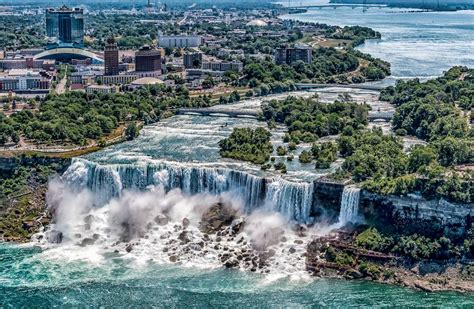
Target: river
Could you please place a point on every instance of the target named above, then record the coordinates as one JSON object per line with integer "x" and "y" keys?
{"x": 174, "y": 166}
{"x": 417, "y": 44}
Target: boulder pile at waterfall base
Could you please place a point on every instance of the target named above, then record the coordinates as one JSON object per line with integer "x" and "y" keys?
{"x": 221, "y": 236}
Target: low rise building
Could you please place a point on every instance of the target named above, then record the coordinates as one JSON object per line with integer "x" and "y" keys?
{"x": 223, "y": 66}
{"x": 148, "y": 59}
{"x": 25, "y": 81}
{"x": 102, "y": 89}
{"x": 84, "y": 77}
{"x": 20, "y": 62}
{"x": 120, "y": 79}
{"x": 180, "y": 41}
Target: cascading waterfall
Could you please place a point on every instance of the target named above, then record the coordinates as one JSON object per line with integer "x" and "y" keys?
{"x": 349, "y": 205}
{"x": 293, "y": 200}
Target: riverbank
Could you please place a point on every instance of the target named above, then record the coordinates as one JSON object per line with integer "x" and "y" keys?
{"x": 23, "y": 187}
{"x": 338, "y": 256}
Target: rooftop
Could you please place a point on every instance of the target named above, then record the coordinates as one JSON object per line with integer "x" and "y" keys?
{"x": 147, "y": 81}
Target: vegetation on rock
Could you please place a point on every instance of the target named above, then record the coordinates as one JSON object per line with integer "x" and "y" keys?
{"x": 247, "y": 144}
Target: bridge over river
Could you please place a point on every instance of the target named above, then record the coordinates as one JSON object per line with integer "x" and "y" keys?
{"x": 233, "y": 113}
{"x": 338, "y": 5}
{"x": 351, "y": 86}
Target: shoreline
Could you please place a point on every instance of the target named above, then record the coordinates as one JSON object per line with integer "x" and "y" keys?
{"x": 402, "y": 276}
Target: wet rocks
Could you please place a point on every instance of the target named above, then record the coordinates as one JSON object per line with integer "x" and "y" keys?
{"x": 88, "y": 221}
{"x": 87, "y": 242}
{"x": 195, "y": 246}
{"x": 353, "y": 274}
{"x": 173, "y": 258}
{"x": 129, "y": 248}
{"x": 161, "y": 220}
{"x": 55, "y": 237}
{"x": 231, "y": 263}
{"x": 186, "y": 222}
{"x": 237, "y": 226}
{"x": 183, "y": 236}
{"x": 216, "y": 218}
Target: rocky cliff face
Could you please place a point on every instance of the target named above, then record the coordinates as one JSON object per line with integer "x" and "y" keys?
{"x": 416, "y": 214}
{"x": 410, "y": 214}
{"x": 326, "y": 201}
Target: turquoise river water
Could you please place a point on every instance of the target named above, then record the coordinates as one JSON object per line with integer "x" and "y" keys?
{"x": 174, "y": 168}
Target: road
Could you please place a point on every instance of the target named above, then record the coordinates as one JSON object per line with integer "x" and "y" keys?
{"x": 61, "y": 87}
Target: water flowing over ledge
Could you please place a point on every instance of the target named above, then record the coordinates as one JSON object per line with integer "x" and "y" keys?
{"x": 349, "y": 205}
{"x": 293, "y": 200}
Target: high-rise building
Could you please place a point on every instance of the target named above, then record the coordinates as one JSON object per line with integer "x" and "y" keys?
{"x": 148, "y": 59}
{"x": 65, "y": 26}
{"x": 111, "y": 57}
{"x": 286, "y": 55}
{"x": 192, "y": 60}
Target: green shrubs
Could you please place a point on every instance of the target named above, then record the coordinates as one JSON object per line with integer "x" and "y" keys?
{"x": 371, "y": 154}
{"x": 344, "y": 259}
{"x": 370, "y": 270}
{"x": 281, "y": 151}
{"x": 417, "y": 247}
{"x": 341, "y": 258}
{"x": 280, "y": 166}
{"x": 371, "y": 239}
{"x": 266, "y": 166}
{"x": 309, "y": 119}
{"x": 132, "y": 131}
{"x": 393, "y": 186}
{"x": 247, "y": 145}
{"x": 305, "y": 157}
{"x": 324, "y": 154}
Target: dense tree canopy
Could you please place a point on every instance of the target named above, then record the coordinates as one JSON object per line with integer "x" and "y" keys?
{"x": 75, "y": 117}
{"x": 309, "y": 119}
{"x": 247, "y": 144}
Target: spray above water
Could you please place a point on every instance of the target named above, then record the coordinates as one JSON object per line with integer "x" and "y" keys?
{"x": 182, "y": 215}
{"x": 158, "y": 226}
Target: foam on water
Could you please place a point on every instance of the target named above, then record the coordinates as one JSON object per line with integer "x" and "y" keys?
{"x": 157, "y": 226}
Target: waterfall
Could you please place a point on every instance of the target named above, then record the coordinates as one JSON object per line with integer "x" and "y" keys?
{"x": 293, "y": 200}
{"x": 349, "y": 205}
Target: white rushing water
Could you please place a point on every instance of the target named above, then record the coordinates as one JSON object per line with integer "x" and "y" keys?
{"x": 293, "y": 200}
{"x": 349, "y": 205}
{"x": 160, "y": 226}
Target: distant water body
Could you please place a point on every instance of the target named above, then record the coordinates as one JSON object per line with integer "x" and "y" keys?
{"x": 417, "y": 44}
